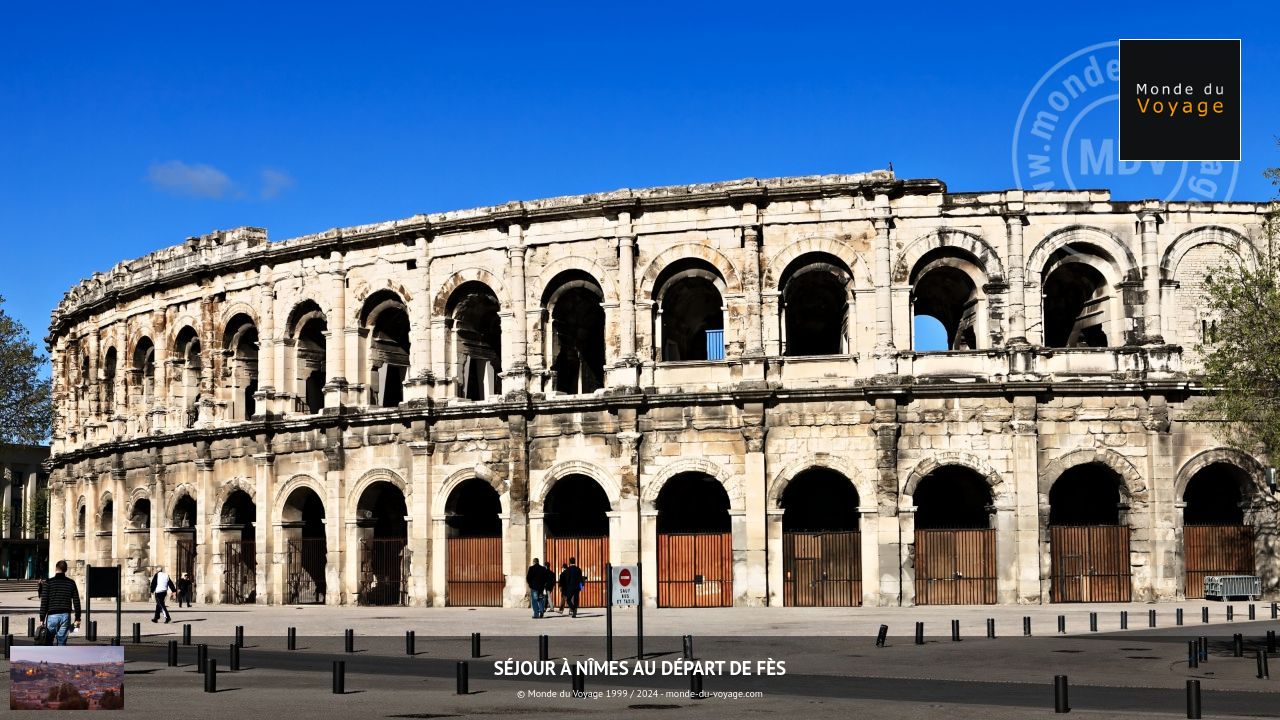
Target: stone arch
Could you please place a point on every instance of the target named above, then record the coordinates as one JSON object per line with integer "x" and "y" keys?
{"x": 1133, "y": 486}
{"x": 816, "y": 244}
{"x": 171, "y": 503}
{"x": 1121, "y": 255}
{"x": 227, "y": 488}
{"x": 301, "y": 309}
{"x": 465, "y": 275}
{"x": 176, "y": 329}
{"x": 1205, "y": 235}
{"x": 572, "y": 262}
{"x": 375, "y": 475}
{"x": 560, "y": 470}
{"x": 706, "y": 253}
{"x": 286, "y": 489}
{"x": 731, "y": 483}
{"x": 1230, "y": 456}
{"x": 1001, "y": 491}
{"x": 238, "y": 307}
{"x": 814, "y": 461}
{"x": 982, "y": 251}
{"x": 458, "y": 477}
{"x": 363, "y": 291}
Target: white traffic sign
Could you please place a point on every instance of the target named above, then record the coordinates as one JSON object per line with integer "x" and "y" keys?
{"x": 626, "y": 581}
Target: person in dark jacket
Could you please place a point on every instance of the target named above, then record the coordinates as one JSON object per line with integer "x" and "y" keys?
{"x": 571, "y": 582}
{"x": 61, "y": 598}
{"x": 563, "y": 568}
{"x": 537, "y": 588}
{"x": 185, "y": 587}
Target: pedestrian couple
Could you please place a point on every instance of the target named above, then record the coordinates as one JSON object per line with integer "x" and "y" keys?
{"x": 542, "y": 580}
{"x": 162, "y": 585}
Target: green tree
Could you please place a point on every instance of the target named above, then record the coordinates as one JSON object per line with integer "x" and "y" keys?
{"x": 26, "y": 410}
{"x": 1242, "y": 352}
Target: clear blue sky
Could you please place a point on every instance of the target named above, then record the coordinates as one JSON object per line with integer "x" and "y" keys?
{"x": 125, "y": 128}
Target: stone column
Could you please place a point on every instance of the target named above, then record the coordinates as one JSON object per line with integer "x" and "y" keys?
{"x": 206, "y": 577}
{"x": 158, "y": 536}
{"x": 1016, "y": 305}
{"x": 338, "y": 346}
{"x": 756, "y": 479}
{"x": 751, "y": 286}
{"x": 270, "y": 357}
{"x": 518, "y": 493}
{"x": 1163, "y": 521}
{"x": 341, "y": 571}
{"x": 418, "y": 384}
{"x": 892, "y": 535}
{"x": 91, "y": 551}
{"x": 886, "y": 360}
{"x": 6, "y": 496}
{"x": 1006, "y": 525}
{"x": 269, "y": 578}
{"x": 517, "y": 367}
{"x": 421, "y": 590}
{"x": 1025, "y": 478}
{"x": 906, "y": 559}
{"x": 627, "y": 293}
{"x": 869, "y": 528}
{"x": 773, "y": 555}
{"x": 1149, "y": 217}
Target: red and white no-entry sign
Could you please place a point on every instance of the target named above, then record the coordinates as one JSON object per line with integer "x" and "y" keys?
{"x": 624, "y": 577}
{"x": 624, "y": 587}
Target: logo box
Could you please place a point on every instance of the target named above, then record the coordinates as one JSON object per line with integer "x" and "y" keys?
{"x": 1180, "y": 100}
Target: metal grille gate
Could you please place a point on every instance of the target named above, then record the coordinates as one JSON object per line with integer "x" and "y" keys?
{"x": 822, "y": 569}
{"x": 591, "y": 553}
{"x": 185, "y": 562}
{"x": 956, "y": 567}
{"x": 474, "y": 576}
{"x": 384, "y": 571}
{"x": 239, "y": 568}
{"x": 1216, "y": 550}
{"x": 1090, "y": 563}
{"x": 305, "y": 581}
{"x": 695, "y": 570}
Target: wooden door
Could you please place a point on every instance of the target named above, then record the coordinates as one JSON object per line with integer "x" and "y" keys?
{"x": 1090, "y": 563}
{"x": 474, "y": 576}
{"x": 822, "y": 569}
{"x": 956, "y": 567}
{"x": 592, "y": 553}
{"x": 1216, "y": 550}
{"x": 695, "y": 570}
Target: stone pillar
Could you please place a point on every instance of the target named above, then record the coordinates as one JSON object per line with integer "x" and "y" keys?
{"x": 869, "y": 528}
{"x": 420, "y": 379}
{"x": 773, "y": 554}
{"x": 6, "y": 496}
{"x": 892, "y": 535}
{"x": 1025, "y": 478}
{"x": 517, "y": 535}
{"x": 338, "y": 346}
{"x": 1163, "y": 517}
{"x": 517, "y": 362}
{"x": 886, "y": 355}
{"x": 422, "y": 558}
{"x": 627, "y": 293}
{"x": 626, "y": 544}
{"x": 91, "y": 551}
{"x": 751, "y": 286}
{"x": 270, "y": 355}
{"x": 158, "y": 538}
{"x": 756, "y": 479}
{"x": 1016, "y": 305}
{"x": 57, "y": 519}
{"x": 206, "y": 551}
{"x": 269, "y": 579}
{"x": 1006, "y": 525}
{"x": 1149, "y": 218}
{"x": 906, "y": 554}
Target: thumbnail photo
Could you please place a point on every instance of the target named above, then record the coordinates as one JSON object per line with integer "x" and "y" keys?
{"x": 66, "y": 678}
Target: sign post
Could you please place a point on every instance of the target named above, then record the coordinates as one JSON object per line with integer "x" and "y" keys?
{"x": 608, "y": 613}
{"x": 624, "y": 591}
{"x": 102, "y": 582}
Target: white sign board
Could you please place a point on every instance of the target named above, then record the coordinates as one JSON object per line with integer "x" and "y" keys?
{"x": 626, "y": 585}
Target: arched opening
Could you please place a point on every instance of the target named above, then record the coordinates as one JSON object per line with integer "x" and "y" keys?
{"x": 385, "y": 321}
{"x": 576, "y": 518}
{"x": 137, "y": 535}
{"x": 109, "y": 363}
{"x": 140, "y": 517}
{"x": 945, "y": 288}
{"x": 955, "y": 543}
{"x": 695, "y": 543}
{"x": 476, "y": 332}
{"x": 106, "y": 527}
{"x": 142, "y": 375}
{"x": 1078, "y": 300}
{"x": 382, "y": 529}
{"x": 816, "y": 306}
{"x": 474, "y": 574}
{"x": 188, "y": 368}
{"x": 239, "y": 548}
{"x": 240, "y": 343}
{"x": 309, "y": 331}
{"x": 302, "y": 522}
{"x": 690, "y": 306}
{"x": 1088, "y": 542}
{"x": 1216, "y": 539}
{"x": 574, "y": 328}
{"x": 821, "y": 545}
{"x": 183, "y": 530}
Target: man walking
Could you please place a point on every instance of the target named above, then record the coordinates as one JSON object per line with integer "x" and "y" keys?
{"x": 537, "y": 588}
{"x": 61, "y": 598}
{"x": 571, "y": 582}
{"x": 161, "y": 585}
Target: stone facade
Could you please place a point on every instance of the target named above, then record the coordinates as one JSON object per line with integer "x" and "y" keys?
{"x": 745, "y": 332}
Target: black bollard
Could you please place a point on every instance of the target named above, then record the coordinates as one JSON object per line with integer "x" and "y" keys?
{"x": 31, "y": 627}
{"x": 1263, "y": 671}
{"x": 1204, "y": 649}
{"x": 92, "y": 634}
{"x": 1093, "y": 622}
{"x": 919, "y": 633}
{"x": 239, "y": 636}
{"x": 186, "y": 634}
{"x": 686, "y": 646}
{"x": 1204, "y": 614}
{"x": 1237, "y": 645}
{"x": 991, "y": 627}
{"x": 1124, "y": 619}
{"x": 1275, "y": 609}
{"x": 475, "y": 645}
{"x": 1193, "y": 698}
{"x": 233, "y": 662}
{"x": 1231, "y": 613}
{"x": 579, "y": 682}
{"x": 4, "y": 625}
{"x": 409, "y": 642}
{"x": 1026, "y": 625}
{"x": 349, "y": 640}
{"x": 955, "y": 631}
{"x": 173, "y": 653}
{"x": 1151, "y": 618}
{"x": 1193, "y": 654}
{"x": 1253, "y": 612}
{"x": 544, "y": 649}
{"x": 1060, "y": 704}
{"x": 202, "y": 656}
{"x": 137, "y": 633}
{"x": 8, "y": 643}
{"x": 211, "y": 676}
{"x": 880, "y": 636}
{"x": 339, "y": 677}
{"x": 1179, "y": 616}
{"x": 293, "y": 638}
{"x": 1062, "y": 624}
{"x": 462, "y": 678}
{"x": 695, "y": 685}
{"x": 1271, "y": 642}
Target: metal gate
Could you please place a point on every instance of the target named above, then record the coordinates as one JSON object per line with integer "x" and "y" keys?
{"x": 239, "y": 570}
{"x": 956, "y": 567}
{"x": 185, "y": 560}
{"x": 1090, "y": 563}
{"x": 384, "y": 571}
{"x": 591, "y": 553}
{"x": 474, "y": 576}
{"x": 695, "y": 570}
{"x": 822, "y": 569}
{"x": 305, "y": 581}
{"x": 1216, "y": 550}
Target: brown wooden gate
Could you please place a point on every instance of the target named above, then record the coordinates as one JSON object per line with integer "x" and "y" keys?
{"x": 239, "y": 570}
{"x": 474, "y": 574}
{"x": 956, "y": 567}
{"x": 305, "y": 582}
{"x": 592, "y": 553}
{"x": 695, "y": 570}
{"x": 1090, "y": 563}
{"x": 1216, "y": 550}
{"x": 384, "y": 571}
{"x": 822, "y": 569}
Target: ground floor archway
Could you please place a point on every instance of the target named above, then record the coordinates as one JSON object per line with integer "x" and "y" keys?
{"x": 239, "y": 548}
{"x": 475, "y": 575}
{"x": 306, "y": 548}
{"x": 382, "y": 531}
{"x": 695, "y": 543}
{"x": 1088, "y": 538}
{"x": 821, "y": 542}
{"x": 955, "y": 543}
{"x": 1216, "y": 540}
{"x": 576, "y": 518}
